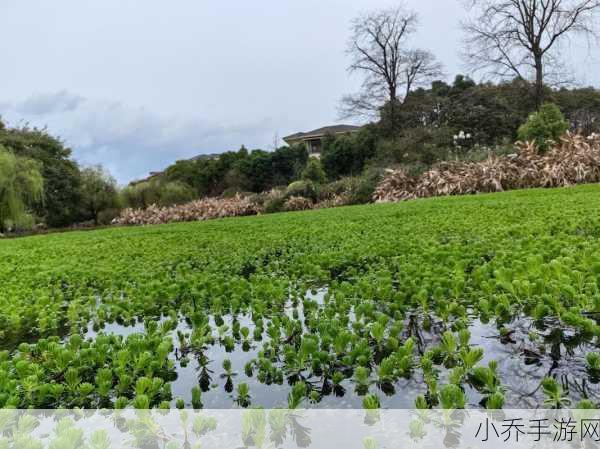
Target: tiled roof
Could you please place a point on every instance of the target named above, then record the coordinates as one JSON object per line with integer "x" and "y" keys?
{"x": 320, "y": 132}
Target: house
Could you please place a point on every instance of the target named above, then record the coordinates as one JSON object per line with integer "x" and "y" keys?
{"x": 314, "y": 139}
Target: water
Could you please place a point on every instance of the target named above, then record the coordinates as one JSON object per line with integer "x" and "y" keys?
{"x": 556, "y": 350}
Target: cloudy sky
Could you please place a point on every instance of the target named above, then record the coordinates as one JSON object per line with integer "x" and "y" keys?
{"x": 137, "y": 84}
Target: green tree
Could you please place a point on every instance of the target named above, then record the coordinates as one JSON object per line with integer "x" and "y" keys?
{"x": 61, "y": 205}
{"x": 545, "y": 126}
{"x": 348, "y": 155}
{"x": 98, "y": 192}
{"x": 175, "y": 193}
{"x": 314, "y": 172}
{"x": 21, "y": 187}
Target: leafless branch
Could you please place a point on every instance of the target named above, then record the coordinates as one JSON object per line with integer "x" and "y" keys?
{"x": 521, "y": 37}
{"x": 379, "y": 50}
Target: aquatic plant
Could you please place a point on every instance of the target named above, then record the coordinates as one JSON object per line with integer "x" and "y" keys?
{"x": 394, "y": 294}
{"x": 243, "y": 395}
{"x": 452, "y": 397}
{"x": 371, "y": 402}
{"x": 553, "y": 392}
{"x": 593, "y": 362}
{"x": 196, "y": 398}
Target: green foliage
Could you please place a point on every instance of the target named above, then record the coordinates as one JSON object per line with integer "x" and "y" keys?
{"x": 452, "y": 397}
{"x": 554, "y": 394}
{"x": 196, "y": 398}
{"x": 61, "y": 177}
{"x": 544, "y": 126}
{"x": 98, "y": 193}
{"x": 495, "y": 401}
{"x": 593, "y": 362}
{"x": 156, "y": 191}
{"x": 305, "y": 189}
{"x": 240, "y": 171}
{"x": 348, "y": 155}
{"x": 21, "y": 187}
{"x": 331, "y": 303}
{"x": 314, "y": 171}
{"x": 371, "y": 402}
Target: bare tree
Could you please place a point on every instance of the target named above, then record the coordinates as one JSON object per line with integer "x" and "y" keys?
{"x": 379, "y": 50}
{"x": 522, "y": 38}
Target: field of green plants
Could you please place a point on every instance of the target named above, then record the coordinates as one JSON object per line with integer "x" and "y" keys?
{"x": 478, "y": 301}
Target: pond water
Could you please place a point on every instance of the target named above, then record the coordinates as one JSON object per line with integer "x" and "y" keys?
{"x": 525, "y": 351}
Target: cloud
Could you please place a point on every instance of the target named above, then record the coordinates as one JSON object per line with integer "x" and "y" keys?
{"x": 128, "y": 141}
{"x": 43, "y": 104}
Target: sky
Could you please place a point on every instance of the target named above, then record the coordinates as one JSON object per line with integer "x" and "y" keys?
{"x": 135, "y": 85}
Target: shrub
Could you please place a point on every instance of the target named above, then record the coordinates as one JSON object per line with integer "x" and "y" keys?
{"x": 175, "y": 193}
{"x": 275, "y": 205}
{"x": 367, "y": 183}
{"x": 343, "y": 186}
{"x": 305, "y": 189}
{"x": 544, "y": 127}
{"x": 314, "y": 172}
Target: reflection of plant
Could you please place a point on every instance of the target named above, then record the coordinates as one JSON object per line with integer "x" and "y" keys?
{"x": 370, "y": 443}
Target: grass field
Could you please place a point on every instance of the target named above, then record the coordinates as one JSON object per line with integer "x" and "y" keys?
{"x": 479, "y": 301}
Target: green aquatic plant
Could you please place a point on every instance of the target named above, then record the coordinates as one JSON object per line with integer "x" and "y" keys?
{"x": 553, "y": 392}
{"x": 362, "y": 379}
{"x": 494, "y": 401}
{"x": 371, "y": 402}
{"x": 403, "y": 284}
{"x": 297, "y": 395}
{"x": 593, "y": 362}
{"x": 421, "y": 403}
{"x": 196, "y": 398}
{"x": 452, "y": 397}
{"x": 243, "y": 395}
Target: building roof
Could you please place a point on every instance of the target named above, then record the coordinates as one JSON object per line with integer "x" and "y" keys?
{"x": 321, "y": 132}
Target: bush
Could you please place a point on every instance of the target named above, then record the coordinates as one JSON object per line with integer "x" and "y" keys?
{"x": 175, "y": 193}
{"x": 367, "y": 184}
{"x": 314, "y": 172}
{"x": 343, "y": 186}
{"x": 305, "y": 189}
{"x": 275, "y": 205}
{"x": 158, "y": 192}
{"x": 544, "y": 127}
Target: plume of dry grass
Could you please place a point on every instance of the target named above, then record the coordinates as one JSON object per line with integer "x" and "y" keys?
{"x": 199, "y": 210}
{"x": 573, "y": 160}
{"x": 296, "y": 203}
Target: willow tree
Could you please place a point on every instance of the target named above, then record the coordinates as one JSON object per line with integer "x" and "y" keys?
{"x": 21, "y": 186}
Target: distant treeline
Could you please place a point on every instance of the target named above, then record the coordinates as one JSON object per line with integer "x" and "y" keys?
{"x": 461, "y": 120}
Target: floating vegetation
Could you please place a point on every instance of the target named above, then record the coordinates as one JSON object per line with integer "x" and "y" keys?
{"x": 489, "y": 301}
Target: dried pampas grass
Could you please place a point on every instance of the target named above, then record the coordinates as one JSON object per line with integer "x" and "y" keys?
{"x": 574, "y": 160}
